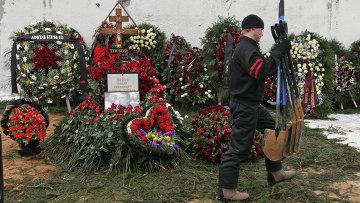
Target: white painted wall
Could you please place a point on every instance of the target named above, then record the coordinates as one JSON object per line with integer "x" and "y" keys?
{"x": 330, "y": 18}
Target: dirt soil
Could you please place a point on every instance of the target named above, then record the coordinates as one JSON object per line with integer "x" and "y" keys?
{"x": 17, "y": 168}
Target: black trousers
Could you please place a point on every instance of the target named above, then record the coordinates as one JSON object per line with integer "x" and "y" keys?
{"x": 247, "y": 117}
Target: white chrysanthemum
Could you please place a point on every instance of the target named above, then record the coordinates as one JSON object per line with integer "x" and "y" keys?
{"x": 49, "y": 101}
{"x": 201, "y": 86}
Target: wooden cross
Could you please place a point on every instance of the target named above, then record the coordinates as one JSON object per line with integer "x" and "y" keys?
{"x": 118, "y": 30}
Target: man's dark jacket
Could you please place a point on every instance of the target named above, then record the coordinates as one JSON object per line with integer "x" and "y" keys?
{"x": 248, "y": 71}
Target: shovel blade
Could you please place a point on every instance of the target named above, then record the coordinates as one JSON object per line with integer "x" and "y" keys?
{"x": 300, "y": 126}
{"x": 273, "y": 145}
{"x": 287, "y": 145}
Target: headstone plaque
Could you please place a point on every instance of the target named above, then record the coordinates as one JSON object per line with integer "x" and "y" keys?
{"x": 123, "y": 82}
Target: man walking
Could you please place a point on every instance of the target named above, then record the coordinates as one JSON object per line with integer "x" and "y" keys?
{"x": 248, "y": 71}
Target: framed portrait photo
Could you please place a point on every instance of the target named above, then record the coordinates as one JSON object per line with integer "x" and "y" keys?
{"x": 122, "y": 98}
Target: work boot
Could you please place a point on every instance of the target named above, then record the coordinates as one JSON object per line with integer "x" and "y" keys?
{"x": 278, "y": 176}
{"x": 226, "y": 195}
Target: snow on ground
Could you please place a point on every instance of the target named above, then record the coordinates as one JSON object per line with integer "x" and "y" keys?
{"x": 4, "y": 96}
{"x": 343, "y": 126}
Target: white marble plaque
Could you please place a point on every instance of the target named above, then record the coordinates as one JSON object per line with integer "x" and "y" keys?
{"x": 123, "y": 82}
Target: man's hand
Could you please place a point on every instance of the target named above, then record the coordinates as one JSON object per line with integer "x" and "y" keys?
{"x": 281, "y": 49}
{"x": 285, "y": 46}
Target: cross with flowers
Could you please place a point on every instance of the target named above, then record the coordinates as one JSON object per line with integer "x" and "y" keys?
{"x": 119, "y": 30}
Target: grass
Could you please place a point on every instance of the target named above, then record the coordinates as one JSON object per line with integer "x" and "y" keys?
{"x": 194, "y": 179}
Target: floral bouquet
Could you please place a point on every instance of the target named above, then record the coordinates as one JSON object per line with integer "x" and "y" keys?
{"x": 48, "y": 71}
{"x": 25, "y": 122}
{"x": 219, "y": 52}
{"x": 345, "y": 80}
{"x": 270, "y": 90}
{"x": 214, "y": 43}
{"x": 212, "y": 133}
{"x": 189, "y": 84}
{"x": 344, "y": 75}
{"x": 155, "y": 133}
{"x": 305, "y": 52}
{"x": 212, "y": 128}
{"x": 146, "y": 40}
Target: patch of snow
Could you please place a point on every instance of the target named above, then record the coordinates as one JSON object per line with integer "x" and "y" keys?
{"x": 342, "y": 126}
{"x": 4, "y": 96}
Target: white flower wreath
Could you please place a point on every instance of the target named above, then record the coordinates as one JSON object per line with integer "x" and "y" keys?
{"x": 305, "y": 52}
{"x": 48, "y": 71}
